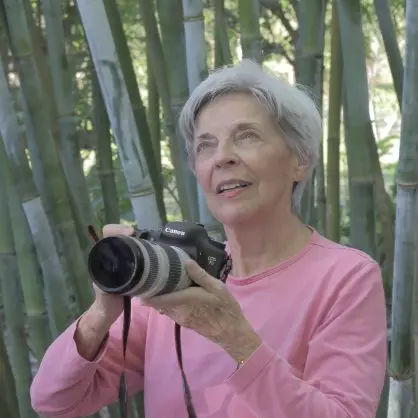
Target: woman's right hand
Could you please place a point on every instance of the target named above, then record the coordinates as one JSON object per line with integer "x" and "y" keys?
{"x": 106, "y": 305}
{"x": 105, "y": 310}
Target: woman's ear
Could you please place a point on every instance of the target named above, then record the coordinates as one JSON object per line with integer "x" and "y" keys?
{"x": 301, "y": 169}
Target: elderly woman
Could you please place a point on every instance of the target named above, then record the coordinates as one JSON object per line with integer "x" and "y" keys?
{"x": 299, "y": 328}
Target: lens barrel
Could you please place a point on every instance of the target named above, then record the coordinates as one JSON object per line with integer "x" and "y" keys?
{"x": 130, "y": 266}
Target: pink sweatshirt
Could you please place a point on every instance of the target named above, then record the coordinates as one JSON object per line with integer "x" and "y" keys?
{"x": 321, "y": 316}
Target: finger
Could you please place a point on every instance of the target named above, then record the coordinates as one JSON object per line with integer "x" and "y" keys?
{"x": 171, "y": 300}
{"x": 117, "y": 229}
{"x": 202, "y": 278}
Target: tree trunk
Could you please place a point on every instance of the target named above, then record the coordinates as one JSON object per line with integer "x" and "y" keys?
{"x": 156, "y": 61}
{"x": 358, "y": 127}
{"x": 154, "y": 120}
{"x": 39, "y": 119}
{"x": 104, "y": 155}
{"x": 309, "y": 73}
{"x": 334, "y": 127}
{"x": 9, "y": 405}
{"x": 197, "y": 70}
{"x": 65, "y": 109}
{"x": 13, "y": 305}
{"x": 43, "y": 237}
{"x": 223, "y": 54}
{"x": 30, "y": 278}
{"x": 404, "y": 349}
{"x": 173, "y": 44}
{"x": 387, "y": 29}
{"x": 249, "y": 16}
{"x": 118, "y": 84}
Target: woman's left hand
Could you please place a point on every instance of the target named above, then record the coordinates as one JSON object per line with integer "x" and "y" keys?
{"x": 211, "y": 311}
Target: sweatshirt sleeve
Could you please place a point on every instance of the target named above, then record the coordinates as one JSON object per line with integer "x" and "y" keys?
{"x": 68, "y": 386}
{"x": 345, "y": 365}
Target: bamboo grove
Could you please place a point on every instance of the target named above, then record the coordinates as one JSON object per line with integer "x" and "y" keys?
{"x": 90, "y": 93}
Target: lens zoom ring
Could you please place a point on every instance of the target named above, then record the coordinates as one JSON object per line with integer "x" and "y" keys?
{"x": 175, "y": 270}
{"x": 153, "y": 267}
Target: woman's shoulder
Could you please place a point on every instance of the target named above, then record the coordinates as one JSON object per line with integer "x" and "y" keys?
{"x": 340, "y": 265}
{"x": 339, "y": 253}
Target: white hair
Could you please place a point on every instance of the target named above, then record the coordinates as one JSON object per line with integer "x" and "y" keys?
{"x": 295, "y": 113}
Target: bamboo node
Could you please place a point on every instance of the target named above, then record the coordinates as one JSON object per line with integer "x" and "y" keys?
{"x": 142, "y": 193}
{"x": 407, "y": 185}
{"x": 406, "y": 375}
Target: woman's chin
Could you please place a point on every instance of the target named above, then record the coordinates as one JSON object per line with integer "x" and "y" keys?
{"x": 234, "y": 216}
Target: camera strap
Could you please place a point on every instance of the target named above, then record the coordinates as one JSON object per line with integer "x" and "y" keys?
{"x": 186, "y": 388}
{"x": 123, "y": 392}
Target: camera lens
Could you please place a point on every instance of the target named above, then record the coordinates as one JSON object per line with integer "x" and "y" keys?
{"x": 127, "y": 266}
{"x": 113, "y": 264}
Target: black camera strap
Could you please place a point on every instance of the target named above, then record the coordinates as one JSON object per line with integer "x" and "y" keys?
{"x": 123, "y": 390}
{"x": 186, "y": 389}
{"x": 123, "y": 393}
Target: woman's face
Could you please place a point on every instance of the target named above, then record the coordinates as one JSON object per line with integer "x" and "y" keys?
{"x": 243, "y": 165}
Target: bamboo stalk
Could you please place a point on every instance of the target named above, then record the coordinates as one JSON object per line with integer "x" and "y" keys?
{"x": 358, "y": 127}
{"x": 126, "y": 112}
{"x": 65, "y": 109}
{"x": 13, "y": 305}
{"x": 154, "y": 120}
{"x": 223, "y": 54}
{"x": 197, "y": 70}
{"x": 9, "y": 405}
{"x": 365, "y": 155}
{"x": 30, "y": 278}
{"x": 21, "y": 175}
{"x": 104, "y": 155}
{"x": 309, "y": 73}
{"x": 334, "y": 127}
{"x": 249, "y": 15}
{"x": 169, "y": 52}
{"x": 39, "y": 119}
{"x": 404, "y": 347}
{"x": 384, "y": 19}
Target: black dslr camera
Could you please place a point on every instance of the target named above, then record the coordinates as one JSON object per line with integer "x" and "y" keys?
{"x": 152, "y": 262}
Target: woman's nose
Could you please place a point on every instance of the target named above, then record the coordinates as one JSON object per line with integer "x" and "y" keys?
{"x": 225, "y": 157}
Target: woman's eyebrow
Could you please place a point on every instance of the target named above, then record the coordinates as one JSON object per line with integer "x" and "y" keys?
{"x": 206, "y": 135}
{"x": 242, "y": 126}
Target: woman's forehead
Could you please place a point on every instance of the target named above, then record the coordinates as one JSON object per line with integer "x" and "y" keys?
{"x": 239, "y": 112}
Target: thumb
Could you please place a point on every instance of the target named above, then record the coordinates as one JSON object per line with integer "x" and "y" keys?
{"x": 201, "y": 277}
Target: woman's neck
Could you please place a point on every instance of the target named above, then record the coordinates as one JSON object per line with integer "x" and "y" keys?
{"x": 263, "y": 244}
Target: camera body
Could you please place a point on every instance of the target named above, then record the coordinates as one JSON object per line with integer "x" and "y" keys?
{"x": 152, "y": 262}
{"x": 193, "y": 239}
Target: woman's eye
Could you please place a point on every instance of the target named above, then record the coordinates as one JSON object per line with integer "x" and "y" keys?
{"x": 201, "y": 146}
{"x": 248, "y": 135}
